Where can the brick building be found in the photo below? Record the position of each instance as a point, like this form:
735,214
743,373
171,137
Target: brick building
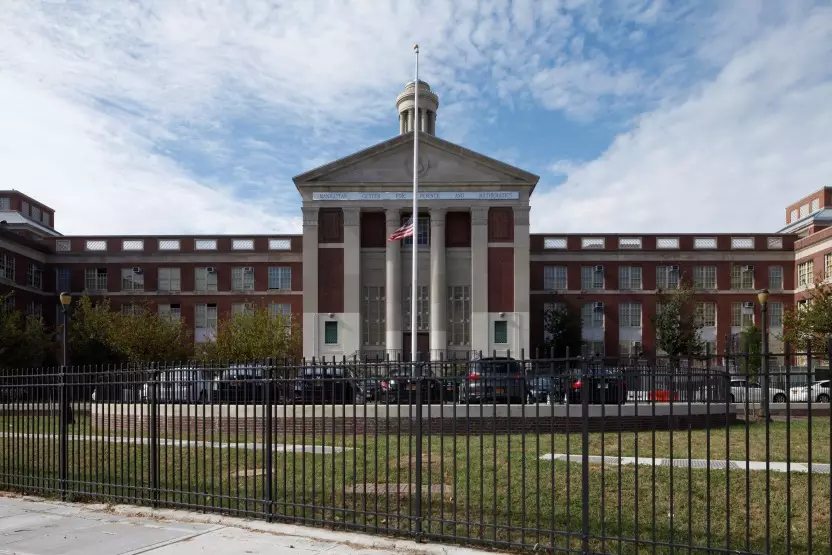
484,279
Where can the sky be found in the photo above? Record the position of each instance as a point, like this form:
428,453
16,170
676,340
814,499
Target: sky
156,117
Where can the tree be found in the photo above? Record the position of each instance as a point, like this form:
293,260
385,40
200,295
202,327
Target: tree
810,323
90,330
146,336
252,335
563,329
25,341
678,329
751,350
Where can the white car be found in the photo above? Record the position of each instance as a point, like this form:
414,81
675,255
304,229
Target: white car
182,385
740,388
819,393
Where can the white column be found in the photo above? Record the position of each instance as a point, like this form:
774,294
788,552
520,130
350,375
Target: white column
522,304
424,119
479,279
310,281
351,326
438,289
393,288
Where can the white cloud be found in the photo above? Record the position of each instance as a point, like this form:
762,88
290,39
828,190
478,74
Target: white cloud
728,158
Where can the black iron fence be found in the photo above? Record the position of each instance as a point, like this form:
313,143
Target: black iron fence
555,455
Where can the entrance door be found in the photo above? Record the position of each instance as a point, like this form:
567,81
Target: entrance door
422,344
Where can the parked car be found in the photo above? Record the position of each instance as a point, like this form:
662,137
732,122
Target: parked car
325,385
743,390
180,385
606,386
401,387
242,384
818,392
539,389
493,379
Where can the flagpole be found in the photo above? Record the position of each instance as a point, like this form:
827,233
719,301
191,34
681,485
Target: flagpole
414,293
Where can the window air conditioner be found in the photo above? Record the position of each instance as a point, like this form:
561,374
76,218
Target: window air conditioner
598,306
748,304
137,270
248,269
211,270
674,268
599,268
749,268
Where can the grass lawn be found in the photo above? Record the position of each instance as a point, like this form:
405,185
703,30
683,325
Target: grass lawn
483,489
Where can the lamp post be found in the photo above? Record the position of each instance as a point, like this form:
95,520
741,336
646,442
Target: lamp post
66,406
762,296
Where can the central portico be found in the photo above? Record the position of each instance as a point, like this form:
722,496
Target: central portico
472,235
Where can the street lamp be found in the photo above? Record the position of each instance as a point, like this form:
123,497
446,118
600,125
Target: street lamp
66,299
762,296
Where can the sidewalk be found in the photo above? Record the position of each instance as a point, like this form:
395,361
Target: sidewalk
31,526
714,464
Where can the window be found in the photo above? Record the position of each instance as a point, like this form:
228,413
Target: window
815,205
422,307
667,277
742,277
741,317
794,215
205,316
459,315
45,219
705,314
592,315
25,208
775,242
629,277
554,243
501,332
704,242
280,277
629,348
130,309
242,279
804,210
827,266
775,315
95,279
8,304
63,245
132,245
374,309
742,242
170,279
7,266
170,311
554,278
805,273
422,232
284,310
775,278
96,245
629,242
592,243
331,333
280,244
205,280
667,243
704,277
205,244
592,277
36,213
629,315
5,203
242,308
34,276
169,244
62,280
242,244
132,280
593,348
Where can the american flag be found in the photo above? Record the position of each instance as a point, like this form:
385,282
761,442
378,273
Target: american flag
405,231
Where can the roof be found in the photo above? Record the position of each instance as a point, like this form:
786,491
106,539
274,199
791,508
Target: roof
14,218
822,215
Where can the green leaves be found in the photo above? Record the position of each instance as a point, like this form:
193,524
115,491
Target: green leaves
254,334
563,330
25,341
678,331
810,323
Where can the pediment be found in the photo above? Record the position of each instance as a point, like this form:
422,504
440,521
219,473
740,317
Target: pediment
440,162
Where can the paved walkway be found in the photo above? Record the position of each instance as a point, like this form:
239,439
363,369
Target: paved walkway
276,448
35,527
796,467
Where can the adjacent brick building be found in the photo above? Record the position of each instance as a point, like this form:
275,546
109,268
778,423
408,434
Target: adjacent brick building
484,279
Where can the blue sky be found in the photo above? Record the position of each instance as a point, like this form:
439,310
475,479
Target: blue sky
638,115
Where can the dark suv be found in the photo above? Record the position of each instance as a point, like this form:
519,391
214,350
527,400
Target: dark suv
324,385
241,385
493,379
401,387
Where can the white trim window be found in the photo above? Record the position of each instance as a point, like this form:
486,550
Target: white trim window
132,280
34,276
170,279
7,266
775,278
172,312
374,313
629,278
593,348
550,308
775,314
555,278
95,279
742,277
592,315
422,307
205,280
242,308
827,266
422,232
741,317
284,310
629,315
459,315
667,277
705,314
280,277
805,273
592,277
242,279
704,278
205,316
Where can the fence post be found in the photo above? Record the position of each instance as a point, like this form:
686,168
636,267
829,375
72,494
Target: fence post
63,416
267,487
154,438
417,512
585,388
